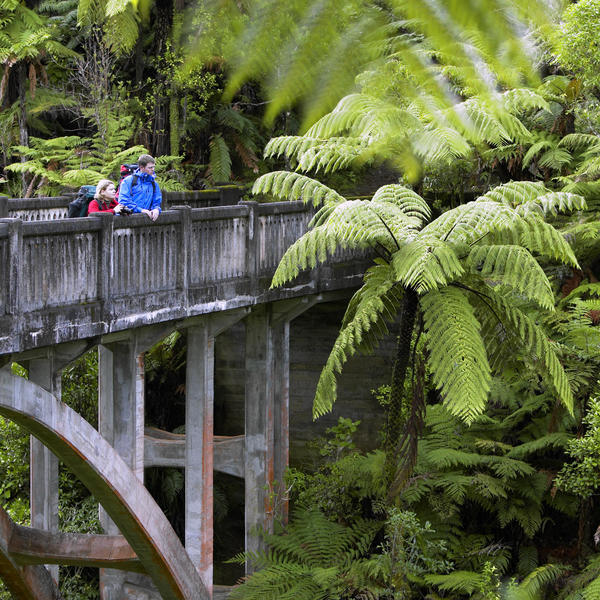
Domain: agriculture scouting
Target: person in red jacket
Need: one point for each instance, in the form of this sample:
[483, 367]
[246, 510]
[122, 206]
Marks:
[104, 198]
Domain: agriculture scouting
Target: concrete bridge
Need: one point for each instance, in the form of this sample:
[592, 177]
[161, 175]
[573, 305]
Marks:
[122, 284]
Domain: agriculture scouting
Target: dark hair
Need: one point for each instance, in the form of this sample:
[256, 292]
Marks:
[145, 159]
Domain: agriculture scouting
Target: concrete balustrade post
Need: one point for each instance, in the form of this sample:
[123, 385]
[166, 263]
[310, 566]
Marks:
[252, 243]
[183, 247]
[3, 207]
[15, 264]
[105, 261]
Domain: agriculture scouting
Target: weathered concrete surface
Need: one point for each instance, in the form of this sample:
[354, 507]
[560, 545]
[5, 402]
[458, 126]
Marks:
[37, 546]
[105, 474]
[76, 279]
[312, 335]
[166, 449]
[31, 582]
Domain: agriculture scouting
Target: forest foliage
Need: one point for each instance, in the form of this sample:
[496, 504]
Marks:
[454, 143]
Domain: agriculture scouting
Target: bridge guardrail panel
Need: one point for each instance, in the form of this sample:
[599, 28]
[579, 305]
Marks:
[218, 244]
[62, 260]
[39, 209]
[280, 224]
[145, 254]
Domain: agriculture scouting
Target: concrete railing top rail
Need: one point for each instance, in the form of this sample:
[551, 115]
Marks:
[71, 279]
[52, 208]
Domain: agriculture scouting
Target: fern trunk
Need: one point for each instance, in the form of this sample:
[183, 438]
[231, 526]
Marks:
[23, 131]
[395, 418]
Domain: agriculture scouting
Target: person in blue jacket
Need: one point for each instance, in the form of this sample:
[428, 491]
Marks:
[140, 192]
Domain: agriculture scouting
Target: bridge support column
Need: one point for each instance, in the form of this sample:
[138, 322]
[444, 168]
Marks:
[267, 415]
[259, 435]
[121, 415]
[199, 433]
[45, 371]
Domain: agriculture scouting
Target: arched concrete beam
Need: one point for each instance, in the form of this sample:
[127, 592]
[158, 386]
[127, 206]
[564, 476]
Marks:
[32, 582]
[30, 546]
[106, 475]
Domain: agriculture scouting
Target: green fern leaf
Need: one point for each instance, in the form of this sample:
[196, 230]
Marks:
[376, 304]
[220, 159]
[293, 186]
[458, 359]
[426, 263]
[513, 266]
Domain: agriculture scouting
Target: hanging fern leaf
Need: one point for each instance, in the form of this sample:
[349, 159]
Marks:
[220, 159]
[535, 341]
[513, 266]
[365, 324]
[458, 360]
[293, 186]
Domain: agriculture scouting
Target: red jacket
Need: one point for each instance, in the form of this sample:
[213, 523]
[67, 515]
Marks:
[94, 206]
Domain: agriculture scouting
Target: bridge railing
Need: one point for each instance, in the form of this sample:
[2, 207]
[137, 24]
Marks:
[72, 278]
[56, 207]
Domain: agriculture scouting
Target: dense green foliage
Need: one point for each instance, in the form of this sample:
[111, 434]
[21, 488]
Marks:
[469, 131]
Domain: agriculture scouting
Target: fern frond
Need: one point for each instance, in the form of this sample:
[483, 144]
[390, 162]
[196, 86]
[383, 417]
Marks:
[316, 245]
[536, 343]
[549, 441]
[536, 148]
[463, 582]
[220, 159]
[408, 201]
[514, 193]
[539, 236]
[555, 202]
[458, 359]
[523, 99]
[579, 141]
[440, 144]
[541, 577]
[286, 185]
[515, 267]
[426, 263]
[364, 326]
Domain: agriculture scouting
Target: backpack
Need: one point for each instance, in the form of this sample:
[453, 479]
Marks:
[127, 170]
[79, 206]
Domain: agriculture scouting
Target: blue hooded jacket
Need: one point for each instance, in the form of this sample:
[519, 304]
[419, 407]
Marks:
[142, 195]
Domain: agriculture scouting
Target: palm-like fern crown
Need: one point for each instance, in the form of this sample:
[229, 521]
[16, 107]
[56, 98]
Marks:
[473, 268]
[363, 129]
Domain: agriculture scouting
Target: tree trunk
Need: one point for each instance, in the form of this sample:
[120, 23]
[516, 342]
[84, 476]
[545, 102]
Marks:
[160, 129]
[176, 29]
[23, 131]
[394, 422]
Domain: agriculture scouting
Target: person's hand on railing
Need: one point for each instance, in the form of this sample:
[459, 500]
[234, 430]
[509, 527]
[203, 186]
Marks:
[153, 214]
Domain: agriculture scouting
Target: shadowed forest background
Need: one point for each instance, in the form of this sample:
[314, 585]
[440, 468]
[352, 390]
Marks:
[456, 143]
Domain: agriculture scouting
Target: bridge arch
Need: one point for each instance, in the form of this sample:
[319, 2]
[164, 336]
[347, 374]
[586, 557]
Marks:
[112, 482]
